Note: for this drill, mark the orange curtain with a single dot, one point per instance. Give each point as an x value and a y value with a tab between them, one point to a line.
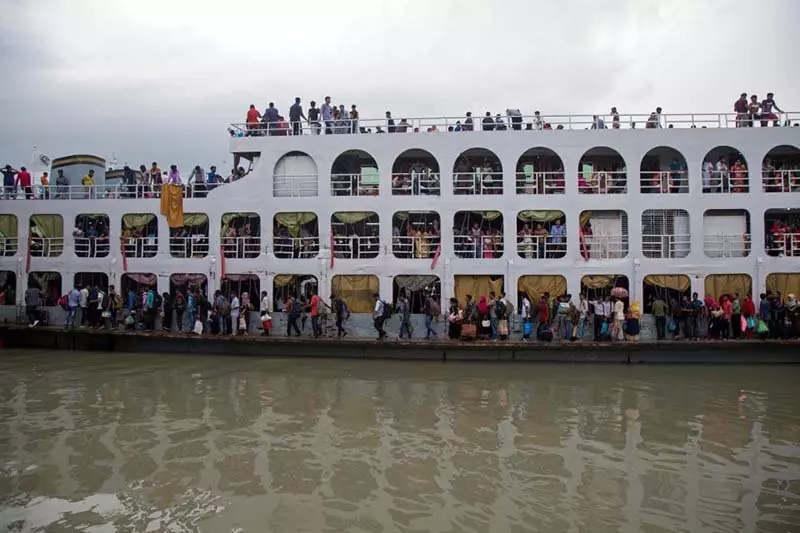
172	204
356	291
477	286
536	286
718	284
784	283
678	282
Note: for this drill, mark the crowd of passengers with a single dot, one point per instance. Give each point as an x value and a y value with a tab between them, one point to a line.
339	120
416	241
783	238
91	239
144	183
604	318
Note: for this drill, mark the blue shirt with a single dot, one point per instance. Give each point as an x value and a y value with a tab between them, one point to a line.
271	114
764	308
73	298
131	300
558	232
8	178
191	303
151	298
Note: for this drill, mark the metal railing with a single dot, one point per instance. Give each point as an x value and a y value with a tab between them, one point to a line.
783	245
140	247
664	182
666	246
241	247
92	247
781	181
603	182
528	123
726	182
295	247
352	185
541	183
477	183
416	247
541	247
356	247
194	246
295	186
483	247
103	192
8	246
414	184
47	247
726	246
604	246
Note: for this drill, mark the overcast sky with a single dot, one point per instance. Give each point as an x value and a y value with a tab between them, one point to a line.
158	80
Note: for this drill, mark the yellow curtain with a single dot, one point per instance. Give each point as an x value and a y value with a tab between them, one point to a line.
401	215
356	291
540	216
536	286
194	219
477	286
8	226
489	215
353	216
785	283
718	284
294	222
48	226
597	282
584	218
172	204
678	282
281	280
137	220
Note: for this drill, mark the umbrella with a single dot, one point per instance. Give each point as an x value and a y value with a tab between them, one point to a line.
619	292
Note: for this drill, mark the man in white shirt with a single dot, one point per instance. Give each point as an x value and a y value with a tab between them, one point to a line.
264	303
84	293
235	316
583	309
525	314
379	316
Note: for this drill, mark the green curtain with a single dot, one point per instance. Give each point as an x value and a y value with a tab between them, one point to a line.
137	220
540	216
194	219
48	226
415	283
584	218
227	218
294	222
8	226
600	281
43	278
353	217
488	215
281	280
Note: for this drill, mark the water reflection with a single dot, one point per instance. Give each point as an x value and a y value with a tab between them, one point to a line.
149	442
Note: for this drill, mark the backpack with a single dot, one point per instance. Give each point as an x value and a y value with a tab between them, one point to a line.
296	308
499	309
436	309
224	306
387	310
62	302
180	304
157	301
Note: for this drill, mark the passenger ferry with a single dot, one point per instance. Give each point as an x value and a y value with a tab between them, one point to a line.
556	204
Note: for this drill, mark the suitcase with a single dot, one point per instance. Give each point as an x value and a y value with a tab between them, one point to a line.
544	334
469	332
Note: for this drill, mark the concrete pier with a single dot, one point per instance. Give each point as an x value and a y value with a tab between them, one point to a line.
724	352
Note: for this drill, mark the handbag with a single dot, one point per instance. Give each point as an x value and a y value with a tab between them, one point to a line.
502	327
604	329
672	326
751	323
468	331
242	323
106	314
485	323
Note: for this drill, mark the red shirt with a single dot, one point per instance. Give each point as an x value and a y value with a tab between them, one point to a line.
315	305
253	115
24	178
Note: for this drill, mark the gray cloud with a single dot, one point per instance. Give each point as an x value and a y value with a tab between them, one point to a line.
154	80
